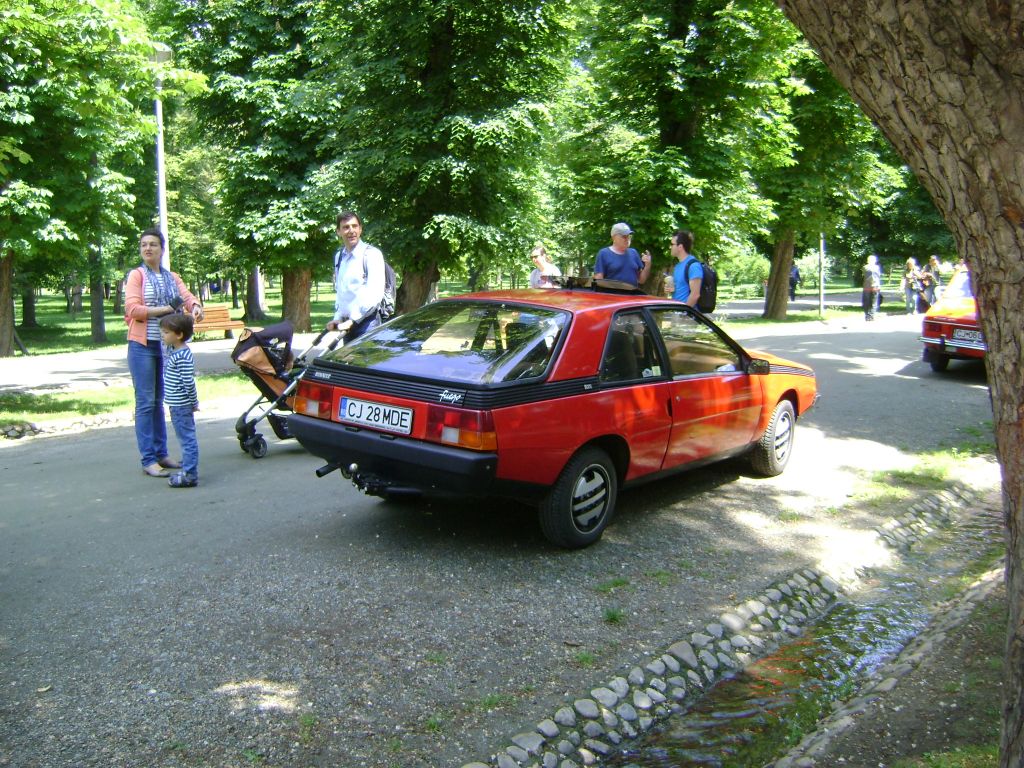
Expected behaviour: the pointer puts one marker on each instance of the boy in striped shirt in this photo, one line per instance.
(181, 396)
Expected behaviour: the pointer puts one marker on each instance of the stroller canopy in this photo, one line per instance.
(268, 350)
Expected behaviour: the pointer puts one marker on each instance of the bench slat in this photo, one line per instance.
(217, 317)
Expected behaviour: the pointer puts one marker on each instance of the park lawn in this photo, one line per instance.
(39, 408)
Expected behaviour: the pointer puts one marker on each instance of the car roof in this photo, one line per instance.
(573, 300)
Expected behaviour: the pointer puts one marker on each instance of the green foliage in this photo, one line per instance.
(76, 76)
(453, 182)
(257, 58)
(685, 103)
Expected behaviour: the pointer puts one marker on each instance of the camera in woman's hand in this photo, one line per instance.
(176, 303)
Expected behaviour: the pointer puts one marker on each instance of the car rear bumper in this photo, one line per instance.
(954, 347)
(390, 463)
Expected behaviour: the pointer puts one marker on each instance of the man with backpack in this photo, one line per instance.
(694, 282)
(688, 272)
(359, 280)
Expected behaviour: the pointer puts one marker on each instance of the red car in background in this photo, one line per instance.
(951, 330)
(555, 397)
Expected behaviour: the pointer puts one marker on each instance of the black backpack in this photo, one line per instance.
(386, 308)
(708, 287)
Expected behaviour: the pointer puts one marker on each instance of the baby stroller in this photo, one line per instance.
(265, 356)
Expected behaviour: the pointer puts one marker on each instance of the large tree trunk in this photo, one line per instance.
(255, 308)
(415, 287)
(6, 304)
(945, 83)
(28, 308)
(97, 298)
(295, 289)
(776, 300)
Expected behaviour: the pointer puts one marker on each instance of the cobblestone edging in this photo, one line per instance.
(594, 725)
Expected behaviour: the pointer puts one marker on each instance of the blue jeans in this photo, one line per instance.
(185, 430)
(146, 364)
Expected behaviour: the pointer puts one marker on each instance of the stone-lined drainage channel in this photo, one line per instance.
(715, 695)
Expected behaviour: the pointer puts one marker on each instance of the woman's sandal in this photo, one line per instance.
(154, 470)
(181, 480)
(168, 463)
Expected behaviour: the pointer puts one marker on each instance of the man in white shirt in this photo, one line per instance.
(358, 280)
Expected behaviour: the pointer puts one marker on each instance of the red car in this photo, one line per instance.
(951, 330)
(556, 397)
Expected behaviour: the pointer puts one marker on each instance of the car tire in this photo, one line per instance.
(771, 454)
(939, 363)
(582, 501)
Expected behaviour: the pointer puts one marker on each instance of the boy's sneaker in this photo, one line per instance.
(182, 480)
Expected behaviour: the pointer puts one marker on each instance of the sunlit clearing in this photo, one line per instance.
(260, 695)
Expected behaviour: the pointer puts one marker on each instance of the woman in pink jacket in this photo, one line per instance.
(150, 293)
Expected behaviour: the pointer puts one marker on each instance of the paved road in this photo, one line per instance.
(271, 617)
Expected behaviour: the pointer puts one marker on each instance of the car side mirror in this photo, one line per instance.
(758, 367)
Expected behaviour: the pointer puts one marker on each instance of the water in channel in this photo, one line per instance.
(749, 720)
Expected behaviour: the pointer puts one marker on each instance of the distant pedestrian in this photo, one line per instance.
(872, 287)
(545, 270)
(152, 292)
(931, 280)
(794, 281)
(181, 395)
(619, 261)
(911, 286)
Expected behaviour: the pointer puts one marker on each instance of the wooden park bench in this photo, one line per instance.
(216, 317)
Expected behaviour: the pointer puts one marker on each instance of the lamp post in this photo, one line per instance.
(161, 54)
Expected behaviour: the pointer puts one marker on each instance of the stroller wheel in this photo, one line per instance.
(258, 447)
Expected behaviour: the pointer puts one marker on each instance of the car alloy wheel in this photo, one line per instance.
(771, 454)
(581, 503)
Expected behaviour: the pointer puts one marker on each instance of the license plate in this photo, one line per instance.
(966, 334)
(378, 415)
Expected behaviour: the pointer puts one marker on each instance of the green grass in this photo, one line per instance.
(16, 408)
(60, 331)
(966, 757)
(585, 659)
(607, 587)
(614, 616)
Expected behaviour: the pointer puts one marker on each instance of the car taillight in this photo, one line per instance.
(313, 400)
(461, 427)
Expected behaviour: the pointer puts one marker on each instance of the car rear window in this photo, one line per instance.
(472, 342)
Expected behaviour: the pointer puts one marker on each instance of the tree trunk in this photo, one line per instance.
(97, 298)
(255, 308)
(415, 288)
(776, 300)
(118, 308)
(28, 308)
(295, 288)
(943, 81)
(655, 285)
(6, 304)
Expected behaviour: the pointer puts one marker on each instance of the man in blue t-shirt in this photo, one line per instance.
(688, 272)
(619, 261)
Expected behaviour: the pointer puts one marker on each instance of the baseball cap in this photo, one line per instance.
(622, 228)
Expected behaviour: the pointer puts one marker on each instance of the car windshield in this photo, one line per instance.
(473, 342)
(959, 286)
